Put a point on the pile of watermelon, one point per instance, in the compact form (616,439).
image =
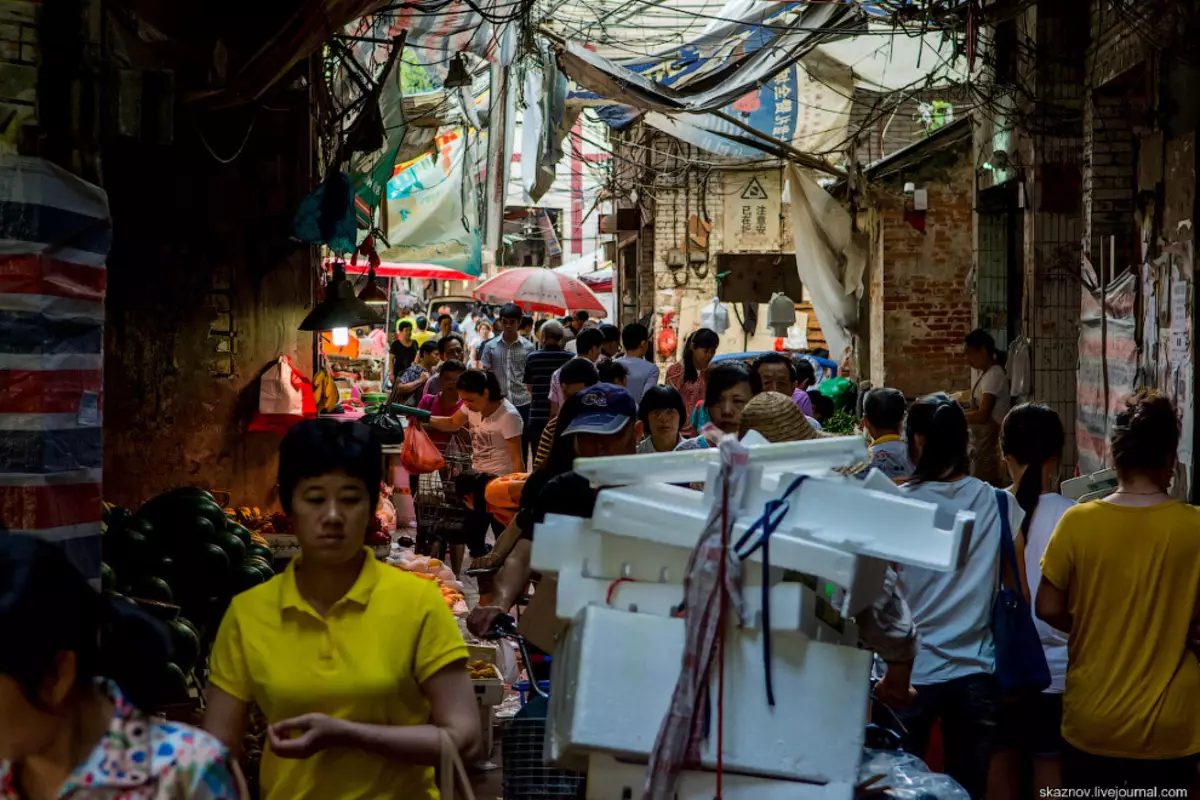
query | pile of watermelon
(181,557)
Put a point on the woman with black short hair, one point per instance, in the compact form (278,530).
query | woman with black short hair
(359,668)
(662,417)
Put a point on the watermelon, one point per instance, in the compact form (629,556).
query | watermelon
(154,589)
(130,551)
(175,685)
(264,567)
(185,644)
(246,576)
(240,532)
(261,552)
(108,577)
(211,562)
(232,546)
(199,529)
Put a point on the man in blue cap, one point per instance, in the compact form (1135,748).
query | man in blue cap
(603,422)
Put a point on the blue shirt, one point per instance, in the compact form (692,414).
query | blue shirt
(642,375)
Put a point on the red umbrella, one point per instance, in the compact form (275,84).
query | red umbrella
(539,289)
(388,269)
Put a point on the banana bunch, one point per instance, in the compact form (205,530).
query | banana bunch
(481,671)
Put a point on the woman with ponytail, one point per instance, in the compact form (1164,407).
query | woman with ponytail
(78,676)
(1032,440)
(952,610)
(1121,578)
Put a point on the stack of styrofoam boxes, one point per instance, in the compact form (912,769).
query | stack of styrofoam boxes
(616,671)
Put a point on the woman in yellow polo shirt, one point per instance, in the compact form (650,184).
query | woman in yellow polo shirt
(355,664)
(1120,576)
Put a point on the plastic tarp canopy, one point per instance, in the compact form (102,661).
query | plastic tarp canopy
(728,61)
(831,258)
(431,210)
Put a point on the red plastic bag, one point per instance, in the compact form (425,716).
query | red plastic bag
(419,454)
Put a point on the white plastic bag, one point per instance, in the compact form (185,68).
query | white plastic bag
(714,317)
(278,393)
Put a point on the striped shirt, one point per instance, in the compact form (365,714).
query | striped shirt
(545,444)
(539,369)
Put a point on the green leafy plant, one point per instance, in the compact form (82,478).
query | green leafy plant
(843,423)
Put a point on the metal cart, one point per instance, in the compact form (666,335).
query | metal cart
(442,519)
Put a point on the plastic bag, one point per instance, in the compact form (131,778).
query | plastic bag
(420,455)
(906,777)
(277,392)
(714,317)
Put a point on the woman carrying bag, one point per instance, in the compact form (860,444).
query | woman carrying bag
(955,669)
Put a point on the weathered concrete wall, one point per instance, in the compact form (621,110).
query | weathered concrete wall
(201,248)
(920,297)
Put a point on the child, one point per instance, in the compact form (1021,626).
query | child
(612,371)
(822,407)
(883,416)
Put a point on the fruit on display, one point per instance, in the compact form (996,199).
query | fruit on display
(183,559)
(432,569)
(482,671)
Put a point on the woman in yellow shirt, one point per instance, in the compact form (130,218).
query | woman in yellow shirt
(1120,576)
(358,667)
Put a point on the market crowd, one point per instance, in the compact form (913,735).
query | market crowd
(361,670)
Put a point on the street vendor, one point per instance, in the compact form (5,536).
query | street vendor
(989,404)
(360,668)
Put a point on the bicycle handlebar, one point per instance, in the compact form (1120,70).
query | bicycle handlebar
(505,627)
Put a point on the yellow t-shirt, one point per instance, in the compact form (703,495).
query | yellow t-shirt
(421,337)
(1131,577)
(364,662)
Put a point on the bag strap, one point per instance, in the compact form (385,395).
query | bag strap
(1008,550)
(452,773)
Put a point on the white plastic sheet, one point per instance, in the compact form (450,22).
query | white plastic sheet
(830,256)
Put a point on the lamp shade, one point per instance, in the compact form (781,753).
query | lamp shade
(372,294)
(340,308)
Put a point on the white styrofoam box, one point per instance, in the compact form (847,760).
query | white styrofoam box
(693,465)
(792,604)
(609,779)
(843,514)
(569,543)
(673,516)
(616,672)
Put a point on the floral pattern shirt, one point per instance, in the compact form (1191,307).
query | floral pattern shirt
(139,759)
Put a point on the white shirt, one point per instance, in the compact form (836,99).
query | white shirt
(953,610)
(489,438)
(995,383)
(1049,511)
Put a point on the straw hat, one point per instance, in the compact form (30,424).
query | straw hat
(778,419)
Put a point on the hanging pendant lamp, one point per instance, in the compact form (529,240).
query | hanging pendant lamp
(373,294)
(340,308)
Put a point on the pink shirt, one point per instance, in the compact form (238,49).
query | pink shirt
(802,401)
(433,404)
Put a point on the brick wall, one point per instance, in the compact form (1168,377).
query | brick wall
(920,297)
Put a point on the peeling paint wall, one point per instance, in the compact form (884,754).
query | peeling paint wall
(205,291)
